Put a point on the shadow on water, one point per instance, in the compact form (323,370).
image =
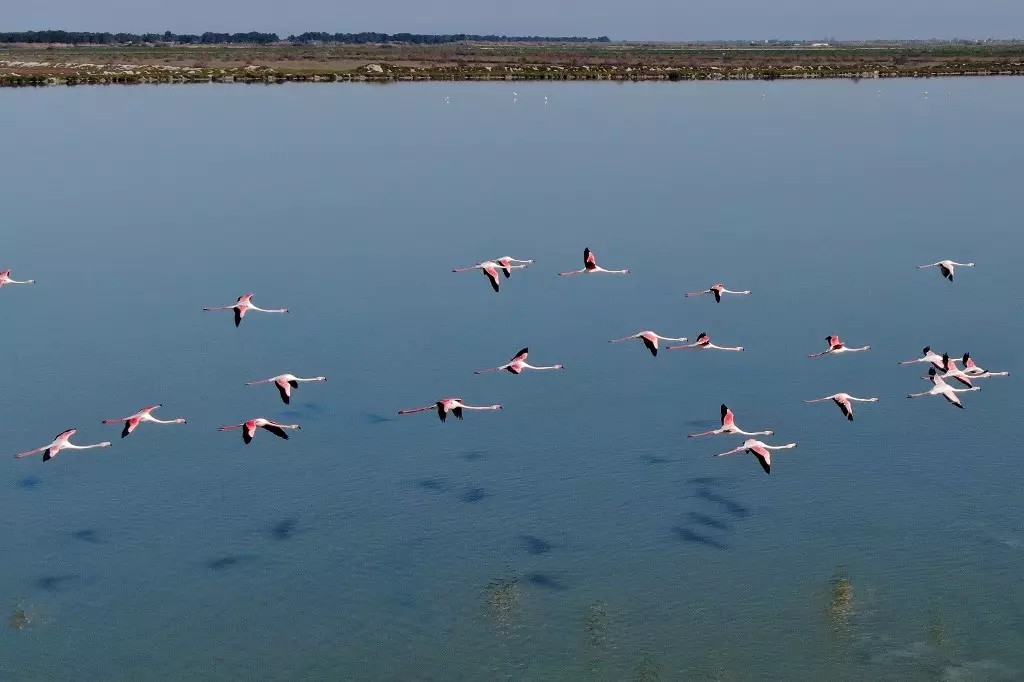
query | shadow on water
(473,455)
(230,561)
(28,483)
(546,581)
(653,459)
(372,418)
(709,521)
(474,495)
(283,529)
(436,485)
(535,545)
(56,583)
(687,535)
(731,506)
(88,535)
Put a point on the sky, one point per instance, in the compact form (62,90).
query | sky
(618,19)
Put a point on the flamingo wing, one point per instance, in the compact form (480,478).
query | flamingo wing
(285,389)
(506,267)
(50,453)
(589,262)
(129,426)
(441,412)
(946,272)
(652,345)
(845,406)
(248,431)
(276,430)
(718,295)
(492,275)
(65,434)
(457,411)
(728,418)
(239,314)
(763,456)
(521,356)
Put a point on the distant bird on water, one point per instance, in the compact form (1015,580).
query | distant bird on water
(243,306)
(703,342)
(650,340)
(490,270)
(590,266)
(61,442)
(249,428)
(729,426)
(446,405)
(760,450)
(947,268)
(517,364)
(837,345)
(717,290)
(844,401)
(143,415)
(5,278)
(285,383)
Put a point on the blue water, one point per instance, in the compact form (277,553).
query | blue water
(577,534)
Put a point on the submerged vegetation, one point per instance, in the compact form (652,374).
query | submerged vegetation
(226,58)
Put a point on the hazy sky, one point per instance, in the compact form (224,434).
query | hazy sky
(618,19)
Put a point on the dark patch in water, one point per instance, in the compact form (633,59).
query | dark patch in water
(652,459)
(473,455)
(535,545)
(731,506)
(376,418)
(283,530)
(709,521)
(55,583)
(474,495)
(87,535)
(435,484)
(705,480)
(687,535)
(29,483)
(546,581)
(229,561)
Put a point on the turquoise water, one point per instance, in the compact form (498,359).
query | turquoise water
(577,534)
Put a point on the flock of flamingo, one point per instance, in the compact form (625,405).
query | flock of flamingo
(942,369)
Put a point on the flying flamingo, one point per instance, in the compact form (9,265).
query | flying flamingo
(506,263)
(650,340)
(951,371)
(285,383)
(717,290)
(446,405)
(490,269)
(5,278)
(836,345)
(759,450)
(940,387)
(590,266)
(844,401)
(249,428)
(729,426)
(947,267)
(244,305)
(971,369)
(704,343)
(61,442)
(143,415)
(928,355)
(517,364)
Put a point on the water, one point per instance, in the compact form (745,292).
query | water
(578,534)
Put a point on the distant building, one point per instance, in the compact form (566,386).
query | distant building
(819,45)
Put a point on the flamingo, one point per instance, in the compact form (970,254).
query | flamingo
(951,371)
(590,266)
(729,426)
(972,369)
(760,450)
(837,345)
(244,305)
(947,267)
(844,401)
(704,343)
(143,415)
(490,269)
(928,355)
(517,364)
(249,428)
(446,405)
(61,442)
(285,383)
(940,387)
(650,340)
(5,278)
(717,290)
(506,263)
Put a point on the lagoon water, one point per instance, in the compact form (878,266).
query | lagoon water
(578,534)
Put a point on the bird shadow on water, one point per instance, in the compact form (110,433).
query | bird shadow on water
(28,483)
(546,581)
(56,583)
(306,411)
(535,545)
(229,561)
(373,418)
(88,535)
(709,524)
(474,495)
(283,529)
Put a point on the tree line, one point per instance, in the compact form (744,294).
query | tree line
(257,38)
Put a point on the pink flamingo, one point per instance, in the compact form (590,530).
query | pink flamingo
(704,343)
(940,387)
(249,428)
(845,402)
(5,278)
(285,383)
(143,415)
(947,267)
(927,355)
(971,369)
(61,442)
(490,270)
(729,426)
(590,266)
(508,262)
(951,371)
(717,290)
(517,364)
(836,345)
(446,405)
(650,340)
(759,450)
(243,306)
